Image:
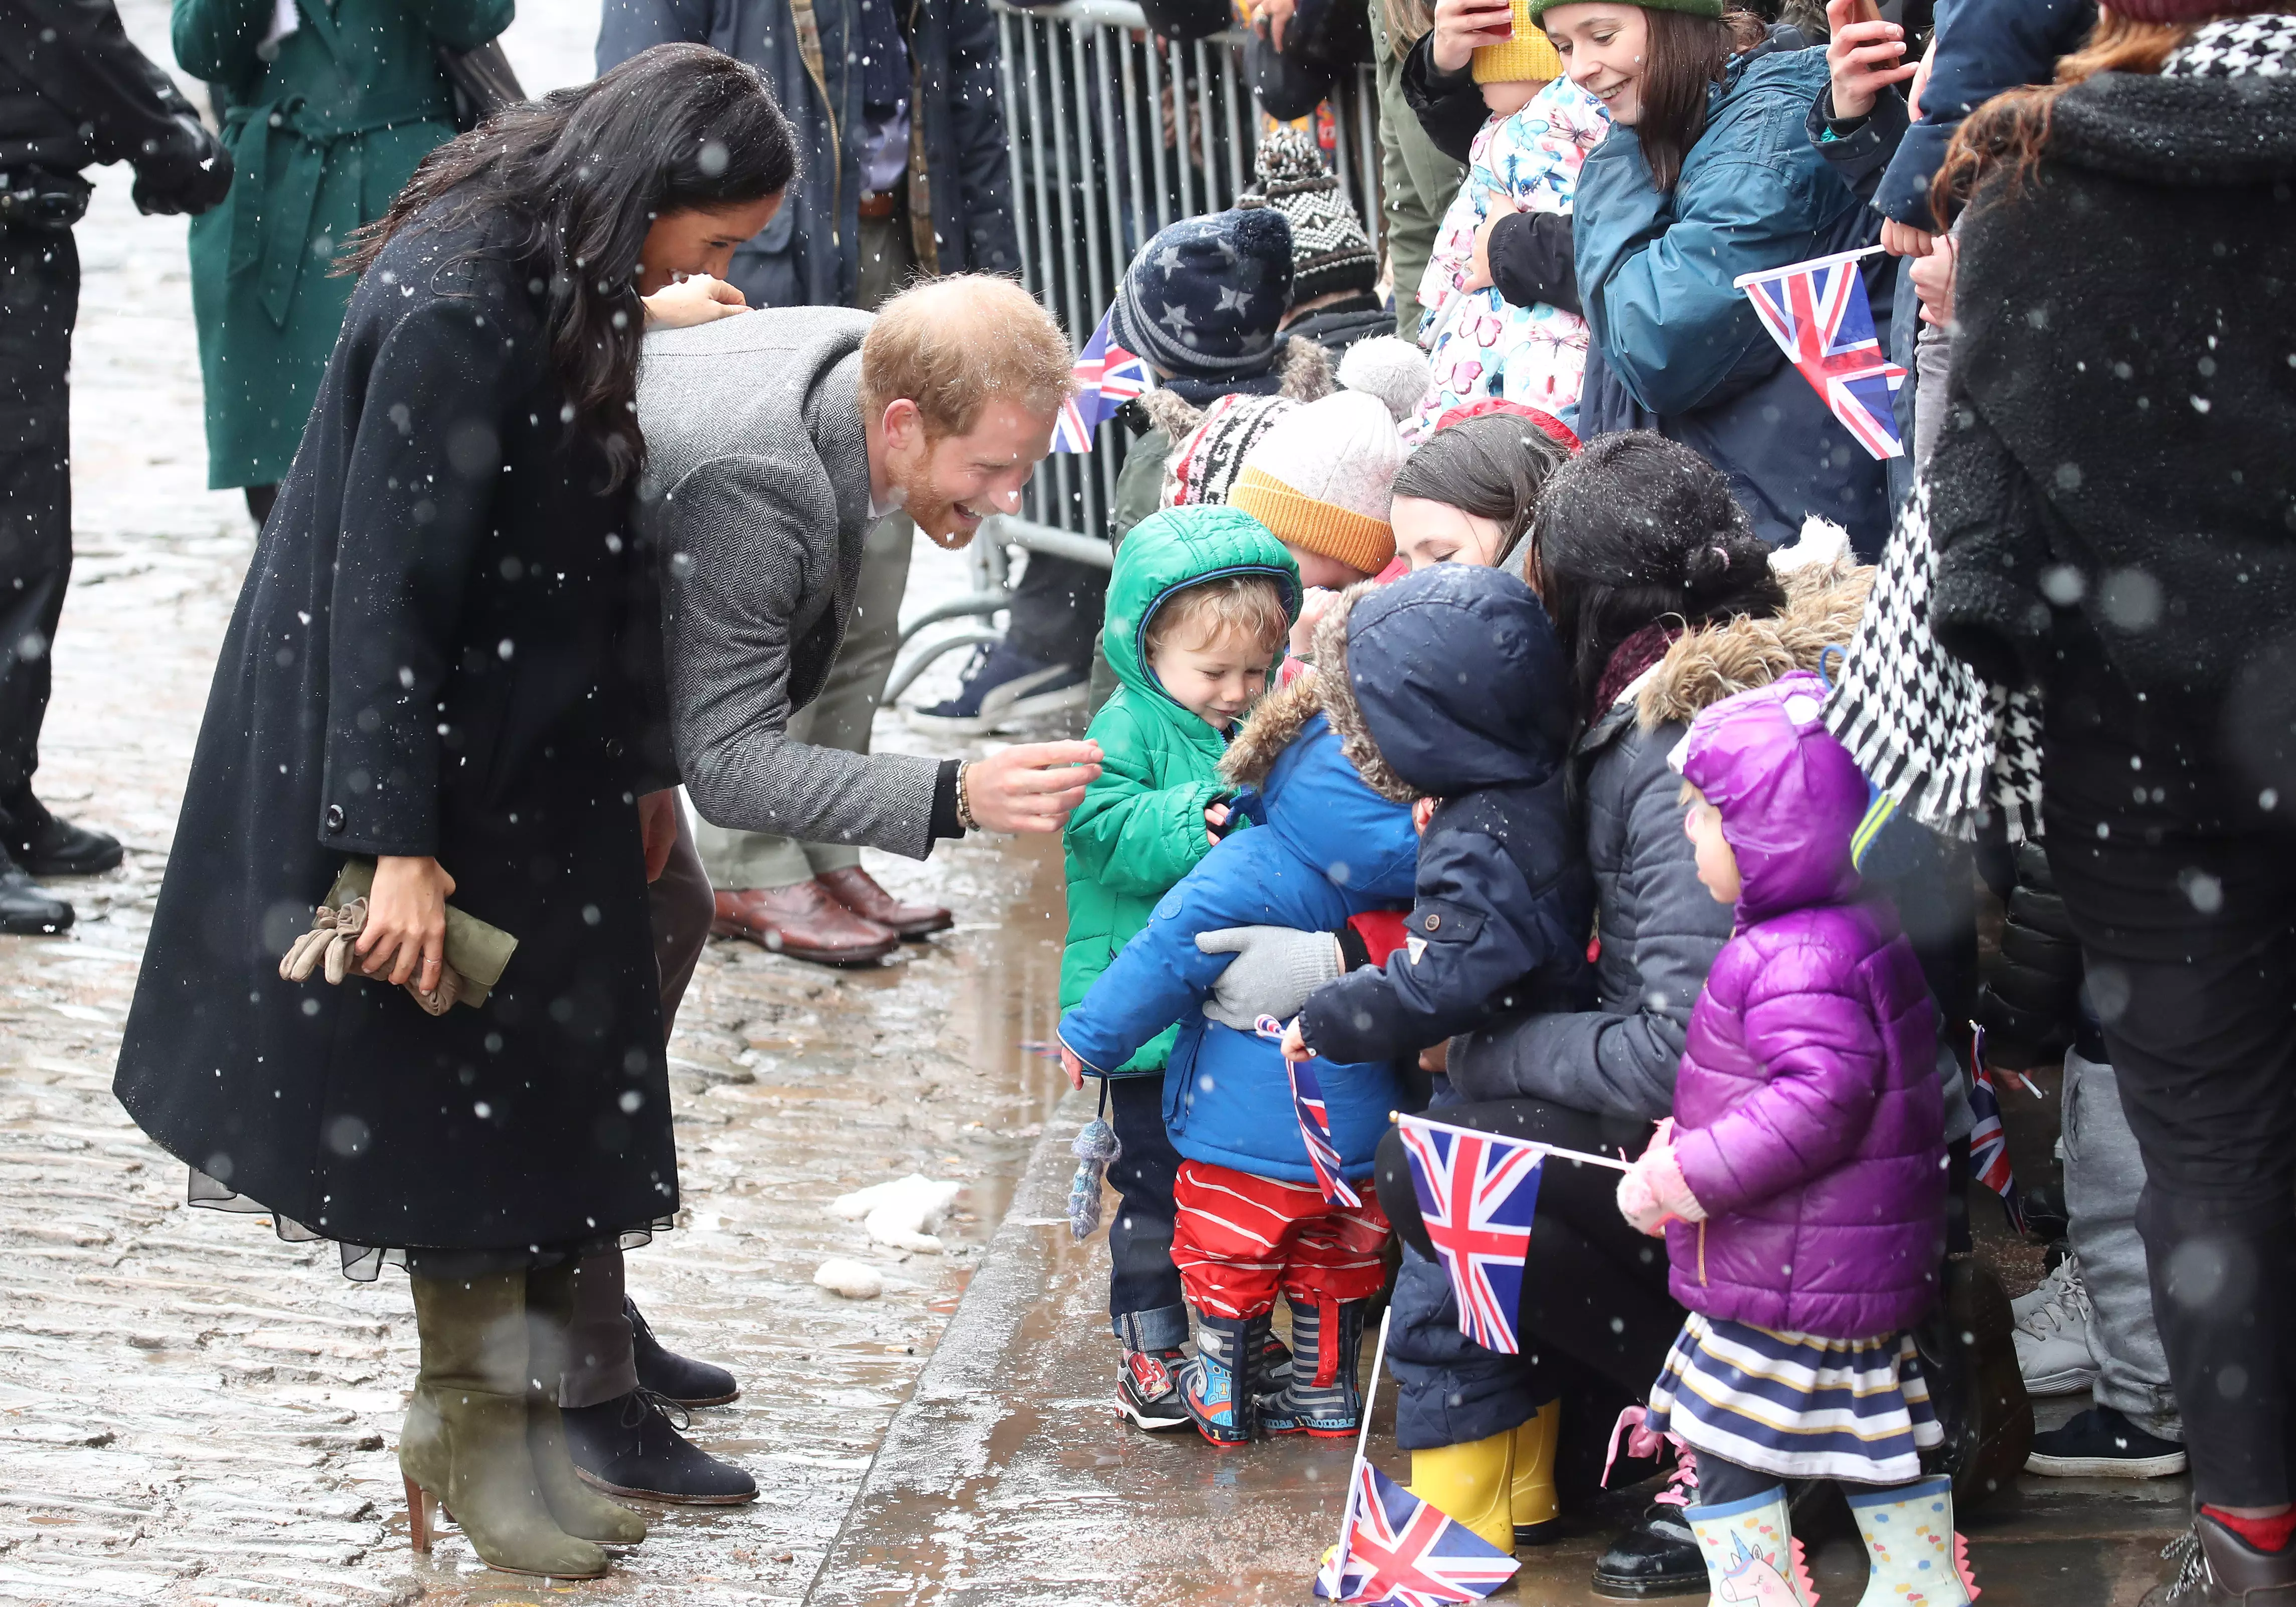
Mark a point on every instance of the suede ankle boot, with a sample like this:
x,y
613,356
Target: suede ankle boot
x,y
463,1446
579,1509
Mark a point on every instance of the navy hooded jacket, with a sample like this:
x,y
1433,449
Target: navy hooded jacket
x,y
1450,684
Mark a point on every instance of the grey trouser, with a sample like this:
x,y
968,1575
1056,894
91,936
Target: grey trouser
x,y
2104,1176
600,1367
840,717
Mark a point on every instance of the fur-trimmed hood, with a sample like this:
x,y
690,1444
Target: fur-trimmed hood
x,y
1825,596
1273,726
1307,376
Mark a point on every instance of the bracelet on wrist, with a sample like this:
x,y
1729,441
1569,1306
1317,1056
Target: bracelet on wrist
x,y
964,815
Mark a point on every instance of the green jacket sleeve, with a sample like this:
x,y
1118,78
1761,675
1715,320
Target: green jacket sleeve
x,y
462,24
216,39
1128,834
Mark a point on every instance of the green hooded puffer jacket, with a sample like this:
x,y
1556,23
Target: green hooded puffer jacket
x,y
1141,826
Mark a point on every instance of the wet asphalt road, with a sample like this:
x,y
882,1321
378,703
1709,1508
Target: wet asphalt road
x,y
192,1410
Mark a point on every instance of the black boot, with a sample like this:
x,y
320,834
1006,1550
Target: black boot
x,y
27,909
1658,1555
1969,1361
45,846
675,1377
629,1447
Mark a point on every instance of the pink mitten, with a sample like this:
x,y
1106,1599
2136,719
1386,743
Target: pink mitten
x,y
1653,1192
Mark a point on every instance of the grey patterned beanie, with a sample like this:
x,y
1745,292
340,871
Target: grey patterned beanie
x,y
1329,249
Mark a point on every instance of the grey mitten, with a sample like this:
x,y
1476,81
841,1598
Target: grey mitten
x,y
1274,972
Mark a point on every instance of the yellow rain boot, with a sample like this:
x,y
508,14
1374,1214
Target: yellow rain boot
x,y
1531,1500
1471,1484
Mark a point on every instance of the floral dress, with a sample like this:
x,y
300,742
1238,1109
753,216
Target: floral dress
x,y
1480,346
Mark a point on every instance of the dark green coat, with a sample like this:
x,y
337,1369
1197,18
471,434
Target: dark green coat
x,y
1141,825
325,127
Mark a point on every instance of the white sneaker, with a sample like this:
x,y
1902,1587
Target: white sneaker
x,y
2051,1336
2062,1276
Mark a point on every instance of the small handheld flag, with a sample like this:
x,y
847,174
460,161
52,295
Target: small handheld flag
x,y
1400,1551
1989,1143
1478,1194
1315,1133
1107,376
1818,313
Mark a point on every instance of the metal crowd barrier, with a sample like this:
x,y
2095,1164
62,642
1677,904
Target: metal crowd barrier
x,y
1112,137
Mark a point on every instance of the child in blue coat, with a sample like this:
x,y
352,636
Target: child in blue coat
x,y
1253,1222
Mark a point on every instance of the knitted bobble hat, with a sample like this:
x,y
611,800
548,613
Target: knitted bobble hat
x,y
1323,475
1529,54
1330,251
1203,298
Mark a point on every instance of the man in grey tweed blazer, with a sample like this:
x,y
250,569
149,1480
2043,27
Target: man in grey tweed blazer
x,y
775,440
773,443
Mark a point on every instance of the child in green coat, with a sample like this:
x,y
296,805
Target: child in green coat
x,y
1198,608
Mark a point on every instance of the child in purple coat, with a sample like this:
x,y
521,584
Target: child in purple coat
x,y
1801,1182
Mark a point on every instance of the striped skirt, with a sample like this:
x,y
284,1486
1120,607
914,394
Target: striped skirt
x,y
1797,1407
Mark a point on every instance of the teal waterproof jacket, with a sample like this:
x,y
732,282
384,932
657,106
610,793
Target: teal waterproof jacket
x,y
1141,825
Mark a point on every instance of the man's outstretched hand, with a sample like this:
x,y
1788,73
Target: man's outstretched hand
x,y
1031,786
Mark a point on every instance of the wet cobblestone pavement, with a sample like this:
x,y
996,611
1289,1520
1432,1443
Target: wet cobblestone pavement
x,y
192,1410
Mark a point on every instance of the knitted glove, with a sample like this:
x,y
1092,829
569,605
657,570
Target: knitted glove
x,y
1274,972
1653,1192
1095,1148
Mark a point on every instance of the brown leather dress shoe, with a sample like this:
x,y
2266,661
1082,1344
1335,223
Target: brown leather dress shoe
x,y
857,890
804,923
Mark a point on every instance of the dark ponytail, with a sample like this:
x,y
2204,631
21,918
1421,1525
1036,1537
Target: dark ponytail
x,y
569,184
1638,528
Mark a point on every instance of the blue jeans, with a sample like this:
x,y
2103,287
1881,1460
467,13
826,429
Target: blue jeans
x,y
1145,1306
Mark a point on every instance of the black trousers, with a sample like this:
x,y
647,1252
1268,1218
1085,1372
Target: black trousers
x,y
1593,1288
1145,1306
1056,611
2182,892
39,302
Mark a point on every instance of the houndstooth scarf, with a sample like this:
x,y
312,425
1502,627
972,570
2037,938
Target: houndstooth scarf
x,y
1945,747
2235,47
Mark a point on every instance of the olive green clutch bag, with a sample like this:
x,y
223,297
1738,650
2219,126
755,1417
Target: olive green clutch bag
x,y
475,952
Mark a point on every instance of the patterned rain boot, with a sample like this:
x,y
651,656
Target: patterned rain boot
x,y
1216,1385
1470,1485
1918,1560
1321,1397
1537,1509
1752,1559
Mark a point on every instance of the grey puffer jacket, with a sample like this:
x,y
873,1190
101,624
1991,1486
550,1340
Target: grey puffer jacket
x,y
1660,929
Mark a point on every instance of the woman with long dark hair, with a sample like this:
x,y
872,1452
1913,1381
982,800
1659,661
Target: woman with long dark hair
x,y
2110,504
445,664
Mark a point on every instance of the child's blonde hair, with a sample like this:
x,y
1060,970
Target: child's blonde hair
x,y
1252,607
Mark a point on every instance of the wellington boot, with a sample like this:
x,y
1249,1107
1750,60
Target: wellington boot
x,y
1752,1556
1917,1561
579,1509
1537,1509
1471,1484
464,1444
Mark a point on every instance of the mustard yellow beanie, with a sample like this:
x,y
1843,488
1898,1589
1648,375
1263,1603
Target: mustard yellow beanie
x,y
1528,56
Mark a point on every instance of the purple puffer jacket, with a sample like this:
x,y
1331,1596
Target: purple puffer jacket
x,y
1807,1118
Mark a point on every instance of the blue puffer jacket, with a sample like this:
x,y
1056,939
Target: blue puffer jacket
x,y
1450,684
1677,347
1332,849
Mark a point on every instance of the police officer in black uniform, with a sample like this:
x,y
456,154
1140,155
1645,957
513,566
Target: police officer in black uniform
x,y
73,92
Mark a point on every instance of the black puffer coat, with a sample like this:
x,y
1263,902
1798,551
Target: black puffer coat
x,y
2124,394
442,649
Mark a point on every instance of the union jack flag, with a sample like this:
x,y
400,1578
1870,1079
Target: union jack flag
x,y
1399,1550
1476,1194
1107,376
1989,1144
1817,313
1315,1133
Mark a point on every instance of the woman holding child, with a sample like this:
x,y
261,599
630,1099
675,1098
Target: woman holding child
x,y
1710,174
446,663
